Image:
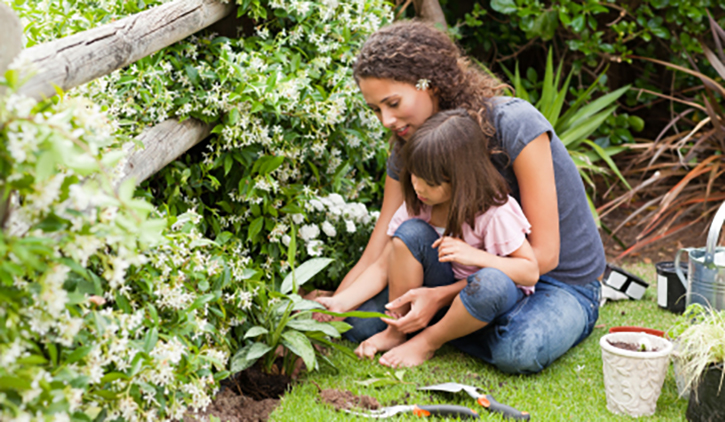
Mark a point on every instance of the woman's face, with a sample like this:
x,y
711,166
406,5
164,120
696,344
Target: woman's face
x,y
399,106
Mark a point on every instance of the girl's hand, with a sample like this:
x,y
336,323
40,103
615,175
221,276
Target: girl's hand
x,y
451,249
423,306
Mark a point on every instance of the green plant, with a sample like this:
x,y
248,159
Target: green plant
x,y
582,118
701,343
681,173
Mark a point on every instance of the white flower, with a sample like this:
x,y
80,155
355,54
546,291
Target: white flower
x,y
286,239
422,84
317,205
309,232
314,247
329,229
298,218
350,226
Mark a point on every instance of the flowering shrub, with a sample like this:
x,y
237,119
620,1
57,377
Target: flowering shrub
x,y
117,307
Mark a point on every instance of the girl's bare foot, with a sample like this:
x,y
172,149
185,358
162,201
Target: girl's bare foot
x,y
380,342
411,353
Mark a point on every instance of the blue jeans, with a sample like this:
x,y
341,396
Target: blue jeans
x,y
525,333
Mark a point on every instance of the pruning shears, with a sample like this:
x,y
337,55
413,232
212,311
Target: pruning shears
x,y
420,410
485,400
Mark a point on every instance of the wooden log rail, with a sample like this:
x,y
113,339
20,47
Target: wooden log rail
x,y
80,58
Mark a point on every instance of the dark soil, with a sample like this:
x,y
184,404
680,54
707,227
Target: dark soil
x,y
230,406
345,400
628,346
248,396
256,384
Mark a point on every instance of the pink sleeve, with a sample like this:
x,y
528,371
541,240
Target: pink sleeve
x,y
399,217
507,229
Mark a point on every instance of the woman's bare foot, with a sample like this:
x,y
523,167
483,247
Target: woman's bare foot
x,y
380,342
411,353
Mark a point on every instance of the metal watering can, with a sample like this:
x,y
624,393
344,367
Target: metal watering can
x,y
705,283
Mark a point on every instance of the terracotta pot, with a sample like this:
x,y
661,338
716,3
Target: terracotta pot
x,y
634,329
707,402
633,379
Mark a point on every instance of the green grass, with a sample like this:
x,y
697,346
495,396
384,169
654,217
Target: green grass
x,y
570,389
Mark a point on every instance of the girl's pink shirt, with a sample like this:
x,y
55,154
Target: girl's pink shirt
x,y
499,231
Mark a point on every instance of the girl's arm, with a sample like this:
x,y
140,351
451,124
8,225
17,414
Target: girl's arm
x,y
521,265
392,199
534,170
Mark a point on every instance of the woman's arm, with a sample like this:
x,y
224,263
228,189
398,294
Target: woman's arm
x,y
534,169
392,199
520,265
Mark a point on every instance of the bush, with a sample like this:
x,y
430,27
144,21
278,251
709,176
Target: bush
x,y
123,308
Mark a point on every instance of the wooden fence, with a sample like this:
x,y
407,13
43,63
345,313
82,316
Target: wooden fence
x,y
80,58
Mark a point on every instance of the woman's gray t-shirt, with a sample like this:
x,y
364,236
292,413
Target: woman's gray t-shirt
x,y
581,254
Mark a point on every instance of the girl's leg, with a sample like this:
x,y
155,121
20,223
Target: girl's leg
x,y
418,236
489,293
539,329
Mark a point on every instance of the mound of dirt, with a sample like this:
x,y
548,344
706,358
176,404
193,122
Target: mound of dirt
x,y
229,406
345,400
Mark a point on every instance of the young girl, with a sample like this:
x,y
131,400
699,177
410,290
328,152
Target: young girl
x,y
393,70
450,191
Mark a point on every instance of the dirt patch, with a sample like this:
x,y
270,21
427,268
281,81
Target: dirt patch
x,y
230,406
254,383
628,346
345,400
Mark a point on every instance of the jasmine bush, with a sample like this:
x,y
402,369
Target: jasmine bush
x,y
123,307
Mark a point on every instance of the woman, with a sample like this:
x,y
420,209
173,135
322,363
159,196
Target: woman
x,y
407,72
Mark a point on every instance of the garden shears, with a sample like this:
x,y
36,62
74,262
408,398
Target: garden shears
x,y
485,400
419,410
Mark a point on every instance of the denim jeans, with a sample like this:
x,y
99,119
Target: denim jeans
x,y
525,333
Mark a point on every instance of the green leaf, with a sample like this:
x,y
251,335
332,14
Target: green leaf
x,y
78,354
355,314
636,123
312,325
248,355
255,228
506,7
583,129
607,158
45,166
14,383
304,273
150,340
255,331
300,345
112,376
201,301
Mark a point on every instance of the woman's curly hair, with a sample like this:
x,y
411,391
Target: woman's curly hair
x,y
408,51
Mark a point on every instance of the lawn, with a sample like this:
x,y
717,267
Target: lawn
x,y
571,389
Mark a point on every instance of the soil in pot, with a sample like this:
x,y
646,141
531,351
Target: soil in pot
x,y
630,346
705,404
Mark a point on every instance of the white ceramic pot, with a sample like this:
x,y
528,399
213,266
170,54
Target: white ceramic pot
x,y
633,379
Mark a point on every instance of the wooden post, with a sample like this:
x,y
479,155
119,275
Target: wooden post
x,y
163,144
83,57
11,34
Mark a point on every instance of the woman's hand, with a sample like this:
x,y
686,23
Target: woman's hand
x,y
424,303
451,249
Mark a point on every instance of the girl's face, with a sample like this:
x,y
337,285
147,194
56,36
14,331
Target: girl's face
x,y
399,106
431,195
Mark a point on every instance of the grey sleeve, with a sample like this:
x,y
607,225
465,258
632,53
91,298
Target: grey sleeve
x,y
518,123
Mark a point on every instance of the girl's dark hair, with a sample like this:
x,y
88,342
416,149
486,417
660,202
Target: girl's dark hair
x,y
408,51
451,148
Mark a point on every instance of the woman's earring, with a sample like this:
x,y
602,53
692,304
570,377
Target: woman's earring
x,y
422,84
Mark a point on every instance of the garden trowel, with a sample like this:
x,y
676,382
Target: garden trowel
x,y
485,400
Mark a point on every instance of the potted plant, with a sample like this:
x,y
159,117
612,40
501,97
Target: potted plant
x,y
700,357
635,365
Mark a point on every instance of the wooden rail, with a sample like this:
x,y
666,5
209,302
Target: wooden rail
x,y
80,58
83,57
